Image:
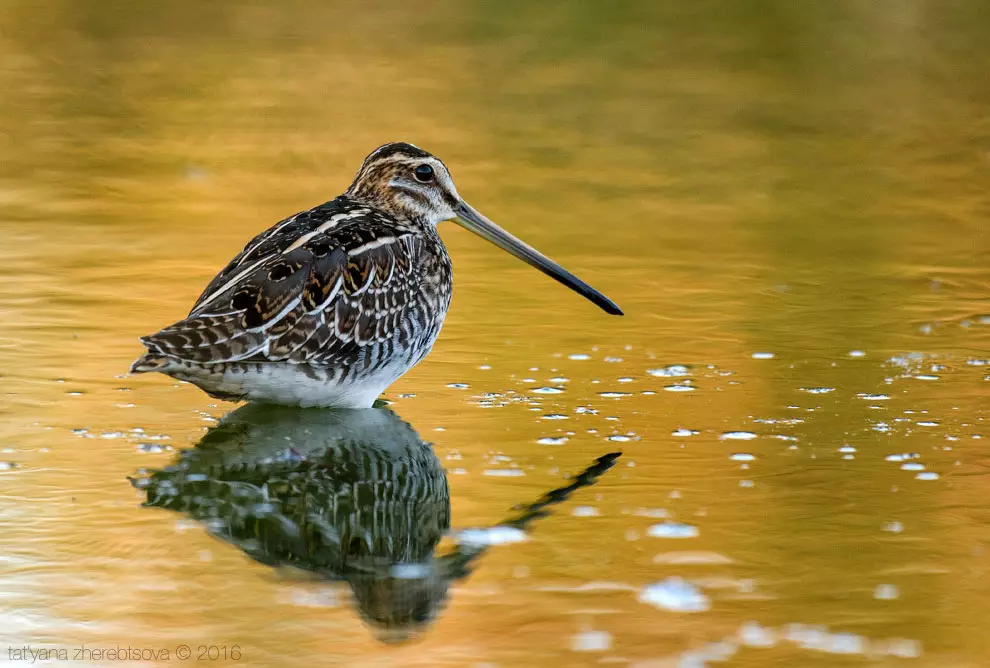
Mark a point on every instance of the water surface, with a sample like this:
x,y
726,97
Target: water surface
x,y
789,203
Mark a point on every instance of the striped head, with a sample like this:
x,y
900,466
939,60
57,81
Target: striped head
x,y
410,184
407,182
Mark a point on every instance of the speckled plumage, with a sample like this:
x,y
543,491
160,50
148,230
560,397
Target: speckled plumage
x,y
331,305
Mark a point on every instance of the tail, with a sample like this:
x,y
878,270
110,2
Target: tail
x,y
150,362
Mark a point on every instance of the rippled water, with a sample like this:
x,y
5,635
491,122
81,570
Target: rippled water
x,y
788,202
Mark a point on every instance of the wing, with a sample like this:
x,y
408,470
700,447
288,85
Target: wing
x,y
315,289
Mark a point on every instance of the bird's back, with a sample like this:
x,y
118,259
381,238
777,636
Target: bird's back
x,y
339,293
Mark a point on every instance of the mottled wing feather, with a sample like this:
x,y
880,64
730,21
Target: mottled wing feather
x,y
316,289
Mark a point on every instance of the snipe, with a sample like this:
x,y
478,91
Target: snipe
x,y
332,305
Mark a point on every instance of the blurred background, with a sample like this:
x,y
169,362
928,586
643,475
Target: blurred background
x,y
788,199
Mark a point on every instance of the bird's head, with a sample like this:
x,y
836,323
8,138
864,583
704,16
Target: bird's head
x,y
411,184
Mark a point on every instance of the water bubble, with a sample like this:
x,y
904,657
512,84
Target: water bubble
x,y
613,360
927,376
742,457
505,473
873,397
548,390
927,423
679,388
684,433
902,648
676,595
499,535
552,440
556,416
485,367
751,634
458,386
585,410
746,483
619,438
585,511
672,371
613,395
912,466
893,527
846,449
651,512
579,357
737,436
8,466
763,356
857,353
672,530
886,592
817,390
591,641
926,475
560,379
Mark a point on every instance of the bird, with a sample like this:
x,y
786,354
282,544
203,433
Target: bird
x,y
332,305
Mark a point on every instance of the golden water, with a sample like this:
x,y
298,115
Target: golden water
x,y
742,178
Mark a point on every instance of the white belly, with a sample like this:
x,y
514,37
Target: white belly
x,y
291,385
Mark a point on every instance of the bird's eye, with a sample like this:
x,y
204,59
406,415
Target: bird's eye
x,y
423,173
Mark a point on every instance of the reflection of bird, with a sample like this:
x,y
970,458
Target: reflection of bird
x,y
350,495
330,306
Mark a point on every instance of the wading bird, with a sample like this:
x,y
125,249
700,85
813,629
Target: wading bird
x,y
330,306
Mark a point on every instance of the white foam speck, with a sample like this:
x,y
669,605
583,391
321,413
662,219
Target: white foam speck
x,y
672,530
672,371
591,641
676,595
751,634
886,592
737,436
498,535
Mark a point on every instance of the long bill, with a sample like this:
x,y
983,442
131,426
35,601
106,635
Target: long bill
x,y
471,219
